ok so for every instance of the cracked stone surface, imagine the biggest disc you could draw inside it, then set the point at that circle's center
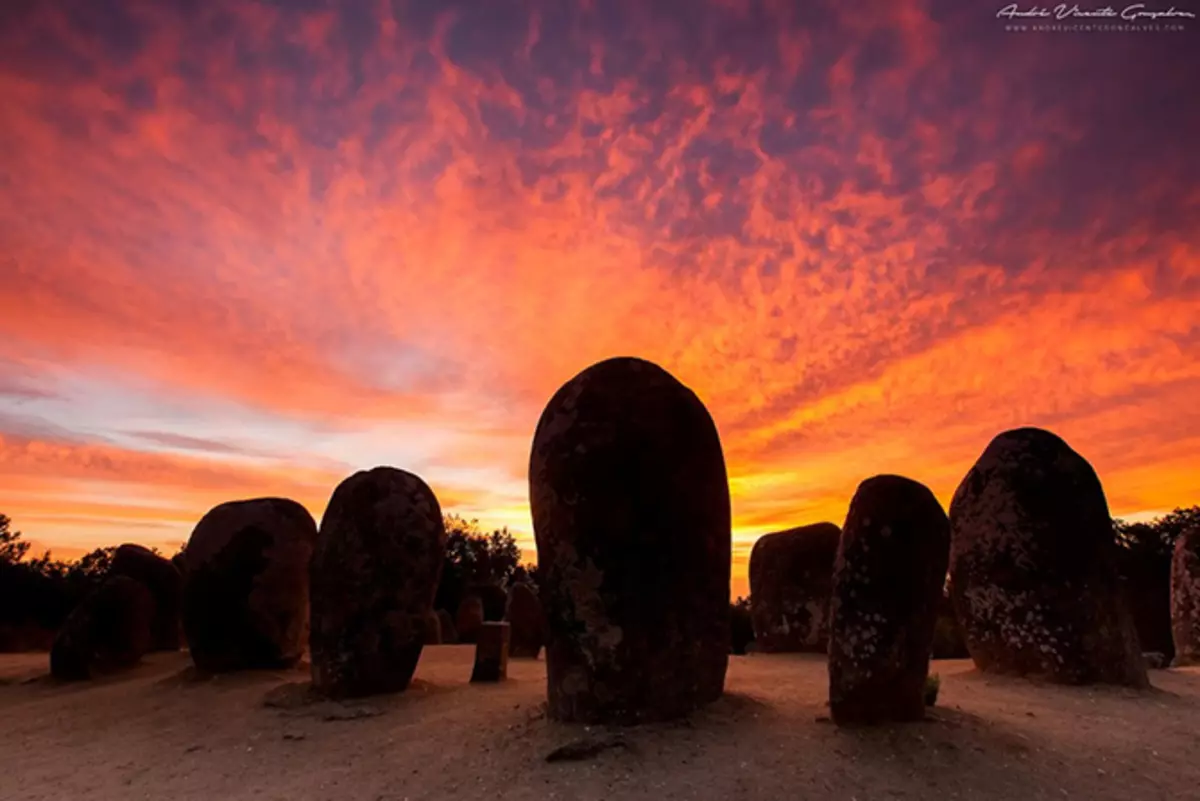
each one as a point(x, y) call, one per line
point(1033, 563)
point(245, 593)
point(887, 581)
point(1185, 598)
point(375, 571)
point(631, 514)
point(791, 578)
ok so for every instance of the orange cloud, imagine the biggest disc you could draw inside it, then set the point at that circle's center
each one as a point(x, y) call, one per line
point(869, 238)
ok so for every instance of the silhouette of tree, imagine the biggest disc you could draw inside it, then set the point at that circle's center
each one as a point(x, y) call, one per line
point(12, 549)
point(741, 626)
point(1144, 560)
point(474, 558)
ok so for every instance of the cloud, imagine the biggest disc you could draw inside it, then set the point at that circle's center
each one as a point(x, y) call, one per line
point(870, 236)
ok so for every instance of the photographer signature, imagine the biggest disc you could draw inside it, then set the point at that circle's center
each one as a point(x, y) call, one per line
point(1130, 13)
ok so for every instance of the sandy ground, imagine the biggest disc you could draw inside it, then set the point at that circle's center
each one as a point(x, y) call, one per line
point(161, 733)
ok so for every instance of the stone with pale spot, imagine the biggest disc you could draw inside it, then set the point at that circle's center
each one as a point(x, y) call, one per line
point(631, 514)
point(887, 580)
point(1033, 562)
point(375, 571)
point(791, 577)
point(245, 590)
point(1185, 598)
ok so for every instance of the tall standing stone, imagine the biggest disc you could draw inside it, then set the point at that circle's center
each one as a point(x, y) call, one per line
point(1033, 563)
point(631, 514)
point(162, 578)
point(245, 591)
point(375, 570)
point(524, 613)
point(791, 578)
point(1185, 598)
point(469, 619)
point(109, 631)
point(888, 578)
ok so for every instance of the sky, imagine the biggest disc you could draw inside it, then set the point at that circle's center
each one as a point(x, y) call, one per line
point(248, 248)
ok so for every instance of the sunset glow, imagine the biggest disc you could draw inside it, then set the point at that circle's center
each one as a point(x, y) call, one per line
point(249, 248)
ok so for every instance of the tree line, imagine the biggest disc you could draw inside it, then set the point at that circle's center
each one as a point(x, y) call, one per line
point(37, 594)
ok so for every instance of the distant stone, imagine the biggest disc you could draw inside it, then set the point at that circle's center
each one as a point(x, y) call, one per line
point(631, 514)
point(741, 630)
point(1185, 598)
point(1156, 660)
point(528, 623)
point(162, 578)
point(948, 640)
point(791, 578)
point(1033, 566)
point(494, 598)
point(109, 631)
point(491, 652)
point(447, 628)
point(245, 591)
point(433, 628)
point(469, 618)
point(889, 574)
point(375, 570)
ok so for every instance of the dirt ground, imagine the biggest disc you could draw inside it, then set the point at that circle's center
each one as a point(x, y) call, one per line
point(160, 732)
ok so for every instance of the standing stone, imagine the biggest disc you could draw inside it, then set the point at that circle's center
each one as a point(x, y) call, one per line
point(494, 598)
point(446, 627)
point(469, 618)
point(1185, 598)
point(948, 641)
point(245, 591)
point(741, 630)
point(528, 623)
point(110, 630)
point(791, 578)
point(375, 570)
point(631, 514)
point(491, 652)
point(890, 570)
point(1033, 562)
point(162, 578)
point(433, 628)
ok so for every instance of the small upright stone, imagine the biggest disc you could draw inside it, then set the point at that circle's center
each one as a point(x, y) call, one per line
point(446, 627)
point(491, 652)
point(469, 619)
point(245, 591)
point(1185, 598)
point(528, 623)
point(1033, 566)
point(791, 578)
point(631, 513)
point(891, 566)
point(162, 578)
point(109, 631)
point(375, 571)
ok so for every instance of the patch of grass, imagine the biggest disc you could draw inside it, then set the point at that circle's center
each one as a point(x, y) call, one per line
point(932, 685)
